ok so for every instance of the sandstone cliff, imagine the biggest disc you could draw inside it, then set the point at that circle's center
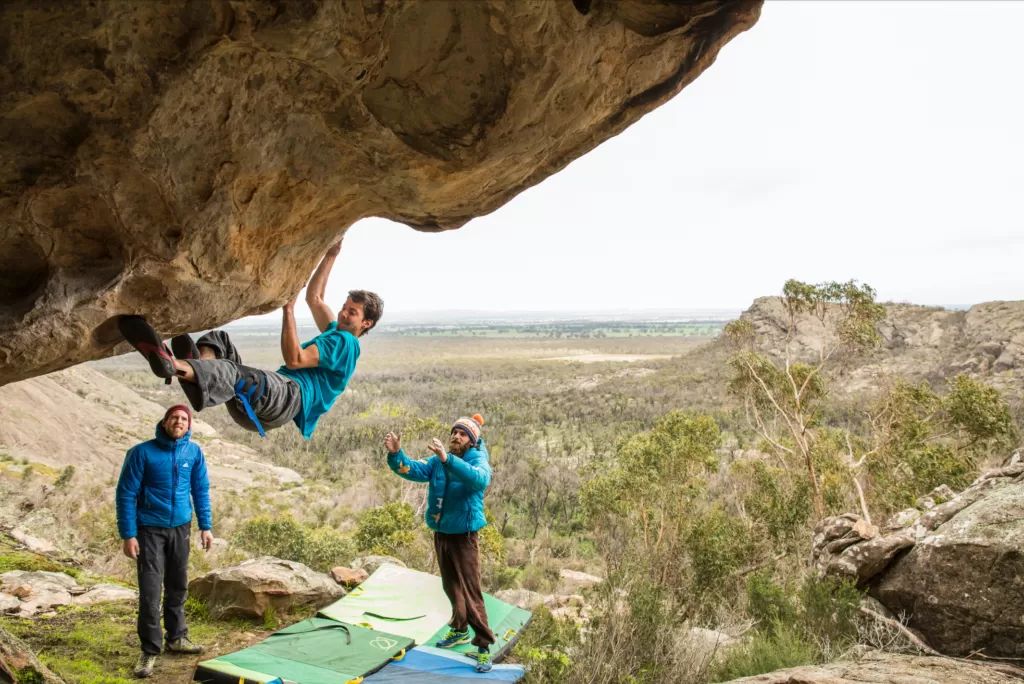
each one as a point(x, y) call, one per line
point(192, 159)
point(918, 342)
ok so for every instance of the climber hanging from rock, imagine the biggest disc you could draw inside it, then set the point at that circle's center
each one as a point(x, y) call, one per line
point(313, 376)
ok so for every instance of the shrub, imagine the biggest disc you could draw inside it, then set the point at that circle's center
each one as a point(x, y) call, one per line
point(65, 477)
point(321, 548)
point(768, 603)
point(544, 648)
point(830, 609)
point(777, 502)
point(779, 648)
point(718, 544)
point(385, 529)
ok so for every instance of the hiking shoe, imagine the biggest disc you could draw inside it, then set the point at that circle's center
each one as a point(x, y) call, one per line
point(453, 638)
point(141, 335)
point(483, 661)
point(144, 666)
point(184, 348)
point(183, 645)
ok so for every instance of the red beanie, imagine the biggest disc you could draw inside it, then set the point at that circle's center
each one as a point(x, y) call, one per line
point(179, 407)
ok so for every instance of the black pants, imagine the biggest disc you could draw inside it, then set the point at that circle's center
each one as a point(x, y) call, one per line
point(162, 563)
point(458, 556)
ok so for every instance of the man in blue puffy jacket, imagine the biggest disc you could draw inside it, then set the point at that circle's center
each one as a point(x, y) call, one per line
point(160, 480)
point(458, 478)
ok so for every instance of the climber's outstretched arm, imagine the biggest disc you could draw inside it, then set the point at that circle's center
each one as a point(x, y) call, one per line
point(322, 313)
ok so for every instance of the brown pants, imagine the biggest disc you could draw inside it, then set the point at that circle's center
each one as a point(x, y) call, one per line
point(458, 556)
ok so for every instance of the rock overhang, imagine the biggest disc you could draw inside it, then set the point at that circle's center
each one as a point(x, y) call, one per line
point(191, 160)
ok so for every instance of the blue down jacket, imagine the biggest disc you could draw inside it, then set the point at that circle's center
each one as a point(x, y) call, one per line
point(456, 490)
point(159, 481)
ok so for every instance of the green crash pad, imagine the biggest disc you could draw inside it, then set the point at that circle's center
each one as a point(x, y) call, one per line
point(413, 604)
point(314, 651)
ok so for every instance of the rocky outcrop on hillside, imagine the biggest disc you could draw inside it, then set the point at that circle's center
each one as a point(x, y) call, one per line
point(953, 573)
point(84, 418)
point(918, 342)
point(876, 668)
point(193, 159)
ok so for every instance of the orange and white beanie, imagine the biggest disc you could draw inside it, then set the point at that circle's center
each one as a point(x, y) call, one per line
point(471, 426)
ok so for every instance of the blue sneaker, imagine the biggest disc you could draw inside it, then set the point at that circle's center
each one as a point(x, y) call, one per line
point(483, 661)
point(453, 638)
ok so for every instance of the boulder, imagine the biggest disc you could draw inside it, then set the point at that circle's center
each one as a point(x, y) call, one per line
point(371, 563)
point(33, 544)
point(521, 598)
point(960, 585)
point(248, 588)
point(105, 593)
point(879, 668)
point(703, 646)
point(864, 560)
point(942, 494)
point(192, 160)
point(849, 547)
point(17, 657)
point(350, 577)
point(9, 603)
point(904, 518)
point(39, 590)
point(577, 579)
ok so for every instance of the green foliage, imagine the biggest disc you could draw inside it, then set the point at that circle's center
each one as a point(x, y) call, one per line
point(768, 603)
point(779, 648)
point(544, 648)
point(801, 629)
point(777, 502)
point(270, 621)
point(29, 675)
point(65, 477)
point(857, 312)
point(718, 544)
point(653, 477)
point(196, 609)
point(386, 529)
point(925, 440)
point(980, 414)
point(830, 609)
point(321, 548)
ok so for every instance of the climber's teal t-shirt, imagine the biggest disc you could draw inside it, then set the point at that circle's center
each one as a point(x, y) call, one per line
point(321, 386)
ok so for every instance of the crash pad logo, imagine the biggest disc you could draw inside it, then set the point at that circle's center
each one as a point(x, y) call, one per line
point(383, 643)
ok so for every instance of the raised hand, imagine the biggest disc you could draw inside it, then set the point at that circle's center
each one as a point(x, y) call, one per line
point(438, 448)
point(393, 442)
point(335, 249)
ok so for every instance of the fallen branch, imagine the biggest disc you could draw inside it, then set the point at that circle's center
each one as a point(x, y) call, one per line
point(895, 624)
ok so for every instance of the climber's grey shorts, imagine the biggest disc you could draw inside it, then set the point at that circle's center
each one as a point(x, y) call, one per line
point(216, 380)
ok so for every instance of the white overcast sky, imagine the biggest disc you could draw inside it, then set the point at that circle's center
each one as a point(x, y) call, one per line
point(879, 141)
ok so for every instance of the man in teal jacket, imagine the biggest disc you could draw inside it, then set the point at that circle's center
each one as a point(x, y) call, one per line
point(160, 480)
point(455, 512)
